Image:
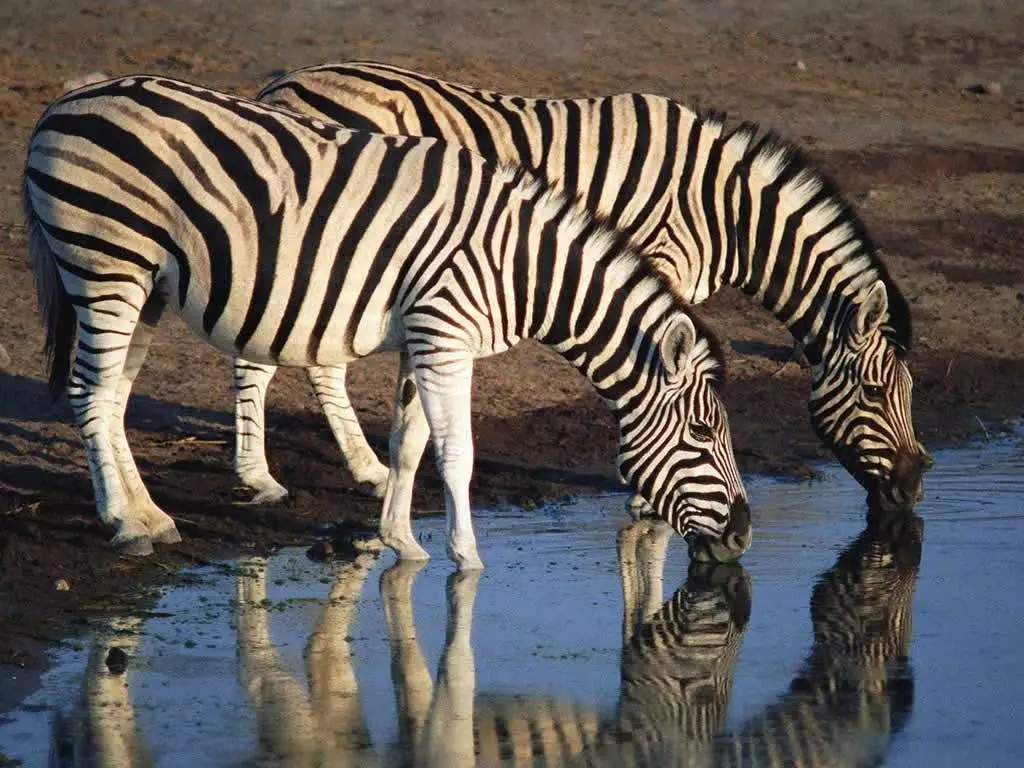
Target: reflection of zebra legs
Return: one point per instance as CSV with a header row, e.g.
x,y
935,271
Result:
x,y
102,730
642,548
333,689
328,382
449,730
327,725
413,685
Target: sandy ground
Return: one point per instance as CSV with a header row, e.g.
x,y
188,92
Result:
x,y
919,118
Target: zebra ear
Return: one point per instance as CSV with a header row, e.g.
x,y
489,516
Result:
x,y
872,307
677,346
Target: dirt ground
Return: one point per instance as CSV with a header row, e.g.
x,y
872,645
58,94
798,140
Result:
x,y
920,120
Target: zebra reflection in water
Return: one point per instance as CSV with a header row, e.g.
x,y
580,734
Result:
x,y
851,695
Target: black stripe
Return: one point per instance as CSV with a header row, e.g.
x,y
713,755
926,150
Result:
x,y
547,134
638,156
692,149
605,150
573,128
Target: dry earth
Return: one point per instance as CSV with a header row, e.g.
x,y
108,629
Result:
x,y
883,98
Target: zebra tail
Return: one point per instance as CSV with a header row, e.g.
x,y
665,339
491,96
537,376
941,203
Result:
x,y
58,313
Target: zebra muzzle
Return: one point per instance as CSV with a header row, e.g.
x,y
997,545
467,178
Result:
x,y
734,541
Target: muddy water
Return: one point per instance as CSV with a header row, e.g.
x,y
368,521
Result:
x,y
835,643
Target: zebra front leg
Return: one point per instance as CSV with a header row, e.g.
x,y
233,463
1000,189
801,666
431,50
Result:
x,y
446,403
409,434
329,386
251,469
162,529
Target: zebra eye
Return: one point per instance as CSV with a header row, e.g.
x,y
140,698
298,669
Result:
x,y
874,392
702,432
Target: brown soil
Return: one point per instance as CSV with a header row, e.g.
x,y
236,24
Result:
x,y
880,98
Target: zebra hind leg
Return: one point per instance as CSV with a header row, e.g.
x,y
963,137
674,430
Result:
x,y
409,435
162,529
329,385
100,357
251,469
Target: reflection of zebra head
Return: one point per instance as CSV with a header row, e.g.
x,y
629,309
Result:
x,y
677,668
855,691
861,608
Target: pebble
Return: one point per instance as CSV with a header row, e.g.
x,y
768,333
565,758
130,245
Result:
x,y
79,82
5,358
61,585
800,65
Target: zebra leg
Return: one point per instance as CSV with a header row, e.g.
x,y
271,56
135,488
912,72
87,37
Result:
x,y
93,393
251,382
409,434
446,402
162,529
414,687
329,385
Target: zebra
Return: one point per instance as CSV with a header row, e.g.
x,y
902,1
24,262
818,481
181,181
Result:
x,y
706,206
288,241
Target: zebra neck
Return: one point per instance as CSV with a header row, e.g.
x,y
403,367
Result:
x,y
608,330
809,290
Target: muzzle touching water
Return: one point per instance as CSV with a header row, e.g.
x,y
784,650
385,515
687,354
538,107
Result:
x,y
735,539
905,485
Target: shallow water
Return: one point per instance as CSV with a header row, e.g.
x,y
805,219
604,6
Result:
x,y
832,644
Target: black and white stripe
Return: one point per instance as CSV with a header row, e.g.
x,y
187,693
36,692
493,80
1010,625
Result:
x,y
707,206
289,241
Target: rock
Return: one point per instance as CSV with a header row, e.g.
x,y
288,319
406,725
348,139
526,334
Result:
x,y
79,82
61,585
800,65
984,89
5,358
117,660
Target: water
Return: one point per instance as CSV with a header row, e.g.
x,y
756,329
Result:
x,y
832,644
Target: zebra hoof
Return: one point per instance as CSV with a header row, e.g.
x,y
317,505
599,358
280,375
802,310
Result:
x,y
133,546
166,535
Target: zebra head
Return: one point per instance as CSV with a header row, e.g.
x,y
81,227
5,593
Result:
x,y
675,447
860,400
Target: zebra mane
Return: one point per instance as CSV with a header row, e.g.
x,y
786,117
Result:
x,y
621,255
